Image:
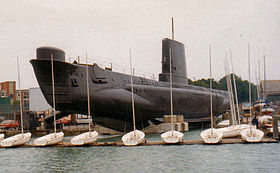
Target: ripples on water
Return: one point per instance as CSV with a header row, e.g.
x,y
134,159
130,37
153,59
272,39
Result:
x,y
175,158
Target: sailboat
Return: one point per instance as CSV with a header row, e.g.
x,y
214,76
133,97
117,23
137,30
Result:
x,y
251,134
90,136
172,136
134,137
22,138
53,138
235,129
212,135
267,109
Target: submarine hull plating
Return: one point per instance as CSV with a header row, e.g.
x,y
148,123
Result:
x,y
110,93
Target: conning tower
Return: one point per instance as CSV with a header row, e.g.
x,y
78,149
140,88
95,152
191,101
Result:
x,y
179,74
46,52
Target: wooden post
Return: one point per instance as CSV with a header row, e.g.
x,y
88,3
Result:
x,y
275,127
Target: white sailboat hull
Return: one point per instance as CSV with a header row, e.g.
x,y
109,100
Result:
x,y
172,137
252,135
85,138
211,136
1,137
133,138
224,123
19,139
265,119
50,139
233,131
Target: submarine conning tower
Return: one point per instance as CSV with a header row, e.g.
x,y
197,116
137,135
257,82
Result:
x,y
179,74
44,53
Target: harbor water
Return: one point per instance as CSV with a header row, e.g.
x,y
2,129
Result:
x,y
263,157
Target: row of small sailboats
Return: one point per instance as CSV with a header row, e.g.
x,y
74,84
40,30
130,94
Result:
x,y
249,133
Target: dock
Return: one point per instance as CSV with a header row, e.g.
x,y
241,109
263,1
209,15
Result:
x,y
153,143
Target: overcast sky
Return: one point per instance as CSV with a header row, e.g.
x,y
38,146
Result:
x,y
108,29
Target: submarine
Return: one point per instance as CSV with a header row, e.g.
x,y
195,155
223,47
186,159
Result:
x,y
110,92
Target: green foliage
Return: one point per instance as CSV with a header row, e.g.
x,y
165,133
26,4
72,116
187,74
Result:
x,y
242,87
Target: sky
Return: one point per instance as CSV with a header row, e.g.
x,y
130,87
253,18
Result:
x,y
107,29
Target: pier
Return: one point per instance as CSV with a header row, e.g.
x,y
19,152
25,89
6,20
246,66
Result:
x,y
151,143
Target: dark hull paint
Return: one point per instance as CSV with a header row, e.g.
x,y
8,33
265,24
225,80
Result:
x,y
110,94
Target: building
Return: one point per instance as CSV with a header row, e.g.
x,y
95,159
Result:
x,y
24,98
8,90
8,104
37,101
270,89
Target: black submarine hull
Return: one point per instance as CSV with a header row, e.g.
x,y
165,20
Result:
x,y
110,93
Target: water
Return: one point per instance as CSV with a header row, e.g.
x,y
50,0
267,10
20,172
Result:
x,y
174,158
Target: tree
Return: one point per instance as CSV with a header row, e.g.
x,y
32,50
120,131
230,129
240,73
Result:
x,y
242,86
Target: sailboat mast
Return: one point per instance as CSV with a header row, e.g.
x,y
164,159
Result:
x,y
264,92
211,99
250,99
235,90
54,116
172,29
229,91
88,96
20,102
132,95
258,92
171,93
259,80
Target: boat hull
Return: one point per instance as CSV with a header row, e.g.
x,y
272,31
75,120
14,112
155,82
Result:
x,y
224,123
85,138
172,137
233,131
252,135
17,140
133,138
211,136
50,139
